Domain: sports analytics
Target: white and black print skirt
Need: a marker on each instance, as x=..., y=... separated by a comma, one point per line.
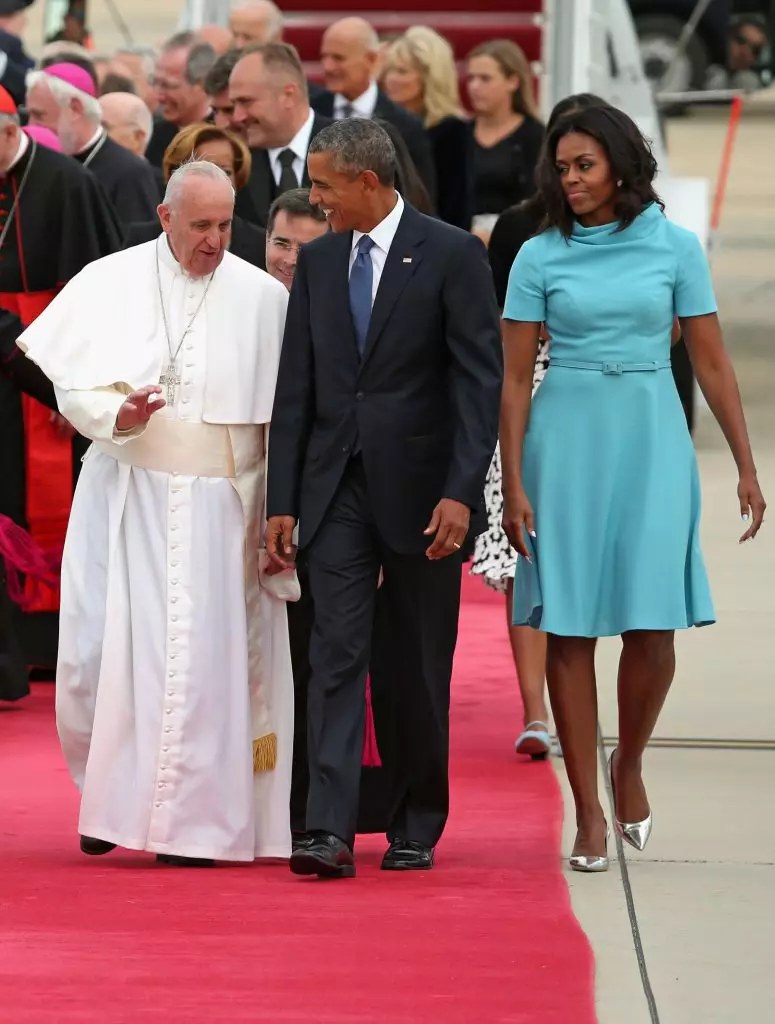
x=494, y=558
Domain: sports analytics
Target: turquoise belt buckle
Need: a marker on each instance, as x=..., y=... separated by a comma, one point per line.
x=613, y=369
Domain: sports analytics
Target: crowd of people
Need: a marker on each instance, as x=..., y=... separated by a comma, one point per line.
x=257, y=319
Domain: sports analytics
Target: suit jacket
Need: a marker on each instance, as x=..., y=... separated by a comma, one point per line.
x=421, y=405
x=453, y=156
x=14, y=66
x=415, y=137
x=247, y=240
x=127, y=180
x=254, y=200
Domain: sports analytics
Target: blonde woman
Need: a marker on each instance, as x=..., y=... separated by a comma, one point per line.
x=419, y=74
x=507, y=135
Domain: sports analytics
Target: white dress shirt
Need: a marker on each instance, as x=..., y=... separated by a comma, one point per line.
x=363, y=106
x=382, y=236
x=299, y=144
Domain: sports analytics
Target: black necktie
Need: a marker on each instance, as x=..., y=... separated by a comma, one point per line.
x=288, y=179
x=346, y=111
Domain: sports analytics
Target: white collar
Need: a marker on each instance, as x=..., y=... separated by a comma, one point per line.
x=24, y=145
x=299, y=144
x=384, y=233
x=92, y=141
x=363, y=105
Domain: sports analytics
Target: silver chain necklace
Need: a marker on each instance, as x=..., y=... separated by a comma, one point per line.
x=170, y=379
x=97, y=147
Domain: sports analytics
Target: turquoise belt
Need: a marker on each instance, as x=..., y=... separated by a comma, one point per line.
x=613, y=369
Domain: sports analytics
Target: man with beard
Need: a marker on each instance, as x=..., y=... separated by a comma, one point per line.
x=54, y=221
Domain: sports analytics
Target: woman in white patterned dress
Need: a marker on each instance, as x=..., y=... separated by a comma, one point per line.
x=495, y=561
x=494, y=558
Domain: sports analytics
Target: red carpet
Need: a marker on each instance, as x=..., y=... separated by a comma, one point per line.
x=487, y=936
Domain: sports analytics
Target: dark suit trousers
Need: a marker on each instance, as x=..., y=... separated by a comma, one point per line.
x=380, y=787
x=423, y=602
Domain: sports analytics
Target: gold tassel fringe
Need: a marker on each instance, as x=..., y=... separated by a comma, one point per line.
x=265, y=753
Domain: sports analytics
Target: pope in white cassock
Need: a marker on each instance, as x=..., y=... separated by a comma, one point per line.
x=174, y=686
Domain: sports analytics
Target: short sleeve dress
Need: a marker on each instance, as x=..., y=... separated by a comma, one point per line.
x=608, y=462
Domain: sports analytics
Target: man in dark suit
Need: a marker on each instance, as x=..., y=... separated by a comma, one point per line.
x=384, y=424
x=268, y=93
x=181, y=69
x=348, y=55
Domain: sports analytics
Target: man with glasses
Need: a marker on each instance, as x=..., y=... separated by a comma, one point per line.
x=181, y=70
x=293, y=222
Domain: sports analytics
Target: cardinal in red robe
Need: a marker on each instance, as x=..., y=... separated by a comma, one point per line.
x=54, y=219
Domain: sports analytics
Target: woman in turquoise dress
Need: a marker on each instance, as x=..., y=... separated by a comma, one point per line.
x=600, y=480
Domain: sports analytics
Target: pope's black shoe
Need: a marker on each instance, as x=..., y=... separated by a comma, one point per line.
x=95, y=847
x=404, y=855
x=324, y=855
x=185, y=862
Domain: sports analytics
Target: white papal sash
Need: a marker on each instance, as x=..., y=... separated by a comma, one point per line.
x=177, y=446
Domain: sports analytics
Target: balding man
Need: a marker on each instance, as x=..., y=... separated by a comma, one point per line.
x=349, y=55
x=127, y=121
x=271, y=109
x=256, y=23
x=216, y=36
x=138, y=63
x=181, y=69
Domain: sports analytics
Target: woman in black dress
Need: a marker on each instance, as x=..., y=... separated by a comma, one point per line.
x=227, y=151
x=419, y=74
x=507, y=134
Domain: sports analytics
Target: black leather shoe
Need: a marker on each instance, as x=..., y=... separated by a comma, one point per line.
x=95, y=847
x=404, y=855
x=300, y=840
x=324, y=855
x=185, y=862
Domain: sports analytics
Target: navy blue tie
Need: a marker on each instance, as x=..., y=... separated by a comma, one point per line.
x=361, y=283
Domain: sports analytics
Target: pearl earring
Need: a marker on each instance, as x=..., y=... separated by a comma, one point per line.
x=619, y=183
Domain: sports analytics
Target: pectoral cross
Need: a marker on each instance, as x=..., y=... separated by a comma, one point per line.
x=170, y=380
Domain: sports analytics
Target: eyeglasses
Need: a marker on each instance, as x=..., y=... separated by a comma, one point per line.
x=285, y=245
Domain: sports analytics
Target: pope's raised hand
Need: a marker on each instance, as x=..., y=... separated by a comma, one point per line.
x=139, y=407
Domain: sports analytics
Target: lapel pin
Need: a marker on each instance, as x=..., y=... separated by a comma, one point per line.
x=407, y=259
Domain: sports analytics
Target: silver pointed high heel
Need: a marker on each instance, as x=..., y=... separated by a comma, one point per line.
x=636, y=833
x=581, y=862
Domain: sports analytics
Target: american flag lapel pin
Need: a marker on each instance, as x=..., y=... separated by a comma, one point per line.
x=407, y=259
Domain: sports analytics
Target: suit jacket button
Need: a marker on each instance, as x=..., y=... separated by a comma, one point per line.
x=360, y=396
x=345, y=447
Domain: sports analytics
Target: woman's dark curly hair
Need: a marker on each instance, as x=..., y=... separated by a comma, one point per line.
x=629, y=155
